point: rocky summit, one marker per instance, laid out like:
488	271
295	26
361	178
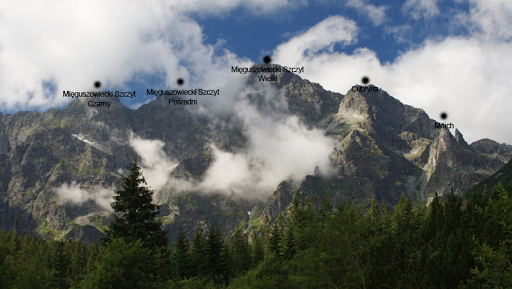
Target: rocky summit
59	168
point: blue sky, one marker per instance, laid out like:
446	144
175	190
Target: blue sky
268	31
438	55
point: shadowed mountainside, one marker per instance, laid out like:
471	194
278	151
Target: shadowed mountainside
382	148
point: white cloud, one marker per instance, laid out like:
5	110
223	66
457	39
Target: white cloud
155	165
376	14
401	33
51	46
70	45
221	6
324	35
468	78
72	193
280	148
421	8
493	19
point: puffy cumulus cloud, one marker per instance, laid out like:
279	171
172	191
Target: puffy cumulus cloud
220	6
155	164
401	33
49	47
492	19
324	35
421	8
466	77
72	193
376	14
280	148
218	75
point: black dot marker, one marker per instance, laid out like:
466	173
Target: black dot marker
365	80
267	59
97	84
444	115
180	81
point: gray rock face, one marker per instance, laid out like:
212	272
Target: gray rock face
493	149
387	149
383	148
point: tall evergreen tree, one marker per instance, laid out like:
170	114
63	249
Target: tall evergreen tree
198	253
287	244
214	249
78	261
7	272
58	264
181	255
273	241
241	254
16	235
257	252
373	215
137	214
127	265
494	258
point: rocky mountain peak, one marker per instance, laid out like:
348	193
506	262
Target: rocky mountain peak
380	147
446	141
460	139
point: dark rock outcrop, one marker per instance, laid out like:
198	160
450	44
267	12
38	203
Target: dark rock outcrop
383	148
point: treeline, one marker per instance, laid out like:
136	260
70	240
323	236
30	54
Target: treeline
455	243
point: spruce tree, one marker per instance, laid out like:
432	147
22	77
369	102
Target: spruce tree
16	235
273	241
58	265
136	213
241	253
257	252
181	255
213	252
198	253
287	244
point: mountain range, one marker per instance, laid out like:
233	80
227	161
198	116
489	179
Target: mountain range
230	167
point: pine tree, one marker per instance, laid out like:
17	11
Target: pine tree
495	267
78	261
373	212
273	241
213	252
346	240
16	235
258	253
137	214
295	234
126	265
403	216
7	270
287	245
224	263
241	255
181	255
198	253
58	273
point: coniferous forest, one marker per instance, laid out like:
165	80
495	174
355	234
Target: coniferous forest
451	243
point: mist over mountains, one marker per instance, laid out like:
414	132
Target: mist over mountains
230	159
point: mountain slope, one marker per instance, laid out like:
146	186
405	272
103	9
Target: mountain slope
503	175
56	167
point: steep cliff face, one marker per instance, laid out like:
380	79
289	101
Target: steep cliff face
57	167
387	149
43	156
503	175
493	149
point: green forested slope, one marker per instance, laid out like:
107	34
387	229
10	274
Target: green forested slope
503	175
450	244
